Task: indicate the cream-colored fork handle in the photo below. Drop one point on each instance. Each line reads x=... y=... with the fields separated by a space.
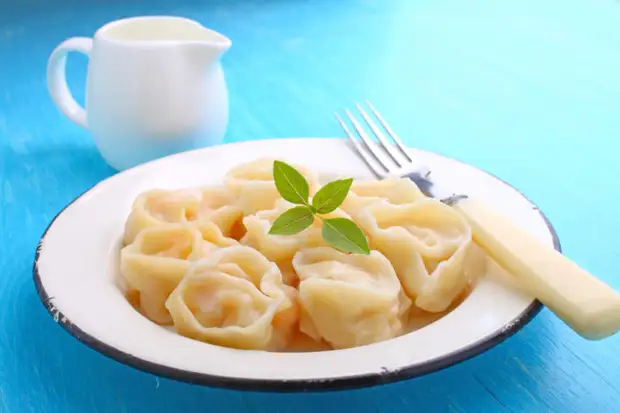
x=585 y=303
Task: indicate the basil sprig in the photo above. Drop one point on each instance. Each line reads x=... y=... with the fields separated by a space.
x=341 y=233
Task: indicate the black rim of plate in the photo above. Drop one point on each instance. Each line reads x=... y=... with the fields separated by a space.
x=286 y=386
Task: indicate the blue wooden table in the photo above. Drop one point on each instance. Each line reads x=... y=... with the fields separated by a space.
x=528 y=90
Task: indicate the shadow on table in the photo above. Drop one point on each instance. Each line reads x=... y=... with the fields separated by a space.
x=65 y=370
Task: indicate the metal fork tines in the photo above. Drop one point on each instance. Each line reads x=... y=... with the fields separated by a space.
x=384 y=156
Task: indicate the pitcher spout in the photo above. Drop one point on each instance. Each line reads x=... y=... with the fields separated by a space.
x=213 y=42
x=207 y=50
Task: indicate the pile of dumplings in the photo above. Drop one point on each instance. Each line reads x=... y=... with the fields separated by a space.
x=201 y=260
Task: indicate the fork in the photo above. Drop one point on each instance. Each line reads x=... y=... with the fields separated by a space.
x=582 y=301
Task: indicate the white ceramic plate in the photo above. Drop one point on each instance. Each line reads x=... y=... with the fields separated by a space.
x=76 y=265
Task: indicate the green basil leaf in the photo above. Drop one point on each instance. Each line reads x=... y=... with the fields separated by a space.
x=291 y=185
x=292 y=221
x=331 y=195
x=344 y=235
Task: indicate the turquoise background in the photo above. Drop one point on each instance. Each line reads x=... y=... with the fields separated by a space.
x=528 y=90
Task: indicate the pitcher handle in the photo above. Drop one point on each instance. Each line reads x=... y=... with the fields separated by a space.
x=57 y=79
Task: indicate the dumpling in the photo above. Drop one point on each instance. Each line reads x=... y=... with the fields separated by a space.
x=193 y=206
x=214 y=307
x=277 y=247
x=218 y=205
x=347 y=299
x=157 y=207
x=213 y=238
x=282 y=248
x=235 y=298
x=254 y=186
x=394 y=190
x=427 y=242
x=159 y=257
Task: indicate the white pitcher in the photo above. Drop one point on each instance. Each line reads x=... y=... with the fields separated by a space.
x=154 y=87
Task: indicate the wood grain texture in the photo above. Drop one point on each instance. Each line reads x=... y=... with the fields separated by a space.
x=527 y=90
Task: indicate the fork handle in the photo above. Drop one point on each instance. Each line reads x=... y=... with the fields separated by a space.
x=585 y=303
